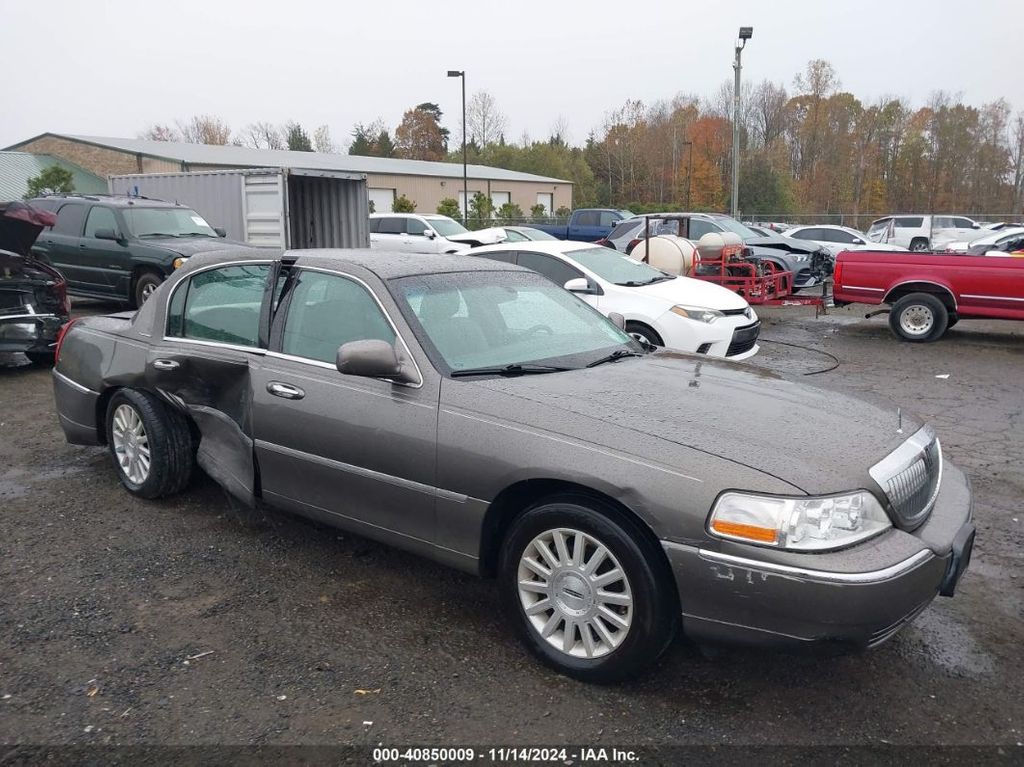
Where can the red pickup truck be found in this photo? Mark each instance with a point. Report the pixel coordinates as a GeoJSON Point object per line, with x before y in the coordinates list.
{"type": "Point", "coordinates": [929, 292]}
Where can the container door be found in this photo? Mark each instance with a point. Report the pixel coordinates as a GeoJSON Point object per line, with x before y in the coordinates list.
{"type": "Point", "coordinates": [263, 198]}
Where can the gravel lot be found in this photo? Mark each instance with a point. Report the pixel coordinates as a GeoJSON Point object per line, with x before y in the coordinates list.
{"type": "Point", "coordinates": [193, 620]}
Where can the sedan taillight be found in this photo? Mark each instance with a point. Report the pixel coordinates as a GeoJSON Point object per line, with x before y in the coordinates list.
{"type": "Point", "coordinates": [60, 339]}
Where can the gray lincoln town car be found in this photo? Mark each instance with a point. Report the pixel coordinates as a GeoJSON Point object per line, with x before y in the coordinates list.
{"type": "Point", "coordinates": [478, 414]}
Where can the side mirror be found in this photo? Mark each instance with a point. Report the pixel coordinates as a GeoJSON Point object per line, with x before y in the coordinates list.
{"type": "Point", "coordinates": [429, 234]}
{"type": "Point", "coordinates": [578, 285]}
{"type": "Point", "coordinates": [372, 359]}
{"type": "Point", "coordinates": [220, 231]}
{"type": "Point", "coordinates": [858, 241]}
{"type": "Point", "coordinates": [106, 234]}
{"type": "Point", "coordinates": [618, 320]}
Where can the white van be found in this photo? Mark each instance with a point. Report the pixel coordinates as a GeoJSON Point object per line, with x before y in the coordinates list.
{"type": "Point", "coordinates": [921, 232]}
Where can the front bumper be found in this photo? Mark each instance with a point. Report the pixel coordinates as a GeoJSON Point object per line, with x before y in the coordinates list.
{"type": "Point", "coordinates": [858, 597]}
{"type": "Point", "coordinates": [732, 337]}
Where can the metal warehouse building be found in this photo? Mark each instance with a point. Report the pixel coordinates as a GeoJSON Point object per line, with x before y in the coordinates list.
{"type": "Point", "coordinates": [425, 183]}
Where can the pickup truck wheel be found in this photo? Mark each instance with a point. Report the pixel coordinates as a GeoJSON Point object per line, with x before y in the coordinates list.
{"type": "Point", "coordinates": [953, 319]}
{"type": "Point", "coordinates": [585, 592]}
{"type": "Point", "coordinates": [919, 317]}
{"type": "Point", "coordinates": [919, 245]}
{"type": "Point", "coordinates": [150, 444]}
{"type": "Point", "coordinates": [145, 284]}
{"type": "Point", "coordinates": [644, 334]}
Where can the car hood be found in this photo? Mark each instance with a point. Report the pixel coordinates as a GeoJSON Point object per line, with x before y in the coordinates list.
{"type": "Point", "coordinates": [778, 242]}
{"type": "Point", "coordinates": [192, 246]}
{"type": "Point", "coordinates": [691, 292]}
{"type": "Point", "coordinates": [817, 440]}
{"type": "Point", "coordinates": [491, 236]}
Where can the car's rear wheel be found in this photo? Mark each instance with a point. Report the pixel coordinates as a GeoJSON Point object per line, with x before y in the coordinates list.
{"type": "Point", "coordinates": [919, 317]}
{"type": "Point", "coordinates": [919, 245]}
{"type": "Point", "coordinates": [585, 591]}
{"type": "Point", "coordinates": [151, 444]}
{"type": "Point", "coordinates": [145, 284]}
{"type": "Point", "coordinates": [644, 334]}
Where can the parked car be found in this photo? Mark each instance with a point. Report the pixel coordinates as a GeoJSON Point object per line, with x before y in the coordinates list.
{"type": "Point", "coordinates": [810, 263]}
{"type": "Point", "coordinates": [475, 413]}
{"type": "Point", "coordinates": [586, 224]}
{"type": "Point", "coordinates": [920, 233]}
{"type": "Point", "coordinates": [659, 309]}
{"type": "Point", "coordinates": [836, 238]}
{"type": "Point", "coordinates": [413, 233]}
{"type": "Point", "coordinates": [1000, 242]}
{"type": "Point", "coordinates": [929, 293]}
{"type": "Point", "coordinates": [34, 302]}
{"type": "Point", "coordinates": [525, 234]}
{"type": "Point", "coordinates": [113, 246]}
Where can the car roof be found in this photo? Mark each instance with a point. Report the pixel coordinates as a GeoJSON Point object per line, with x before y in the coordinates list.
{"type": "Point", "coordinates": [551, 247]}
{"type": "Point", "coordinates": [383, 263]}
{"type": "Point", "coordinates": [113, 200]}
{"type": "Point", "coordinates": [409, 215]}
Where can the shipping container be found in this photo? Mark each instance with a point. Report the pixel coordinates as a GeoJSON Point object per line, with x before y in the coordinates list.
{"type": "Point", "coordinates": [275, 208]}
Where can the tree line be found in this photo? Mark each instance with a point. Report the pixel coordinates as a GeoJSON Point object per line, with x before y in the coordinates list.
{"type": "Point", "coordinates": [810, 148]}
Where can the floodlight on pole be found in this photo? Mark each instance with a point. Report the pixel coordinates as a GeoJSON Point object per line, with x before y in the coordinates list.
{"type": "Point", "coordinates": [465, 175]}
{"type": "Point", "coordinates": [745, 34]}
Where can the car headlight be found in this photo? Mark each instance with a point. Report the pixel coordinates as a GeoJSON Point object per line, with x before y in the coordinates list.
{"type": "Point", "coordinates": [179, 262]}
{"type": "Point", "coordinates": [699, 313]}
{"type": "Point", "coordinates": [814, 523]}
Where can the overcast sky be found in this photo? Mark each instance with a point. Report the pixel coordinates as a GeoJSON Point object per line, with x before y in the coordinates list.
{"type": "Point", "coordinates": [112, 68]}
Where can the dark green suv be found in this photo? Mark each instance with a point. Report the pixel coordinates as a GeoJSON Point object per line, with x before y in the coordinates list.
{"type": "Point", "coordinates": [122, 247]}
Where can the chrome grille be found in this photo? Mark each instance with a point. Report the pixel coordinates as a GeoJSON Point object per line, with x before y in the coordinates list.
{"type": "Point", "coordinates": [910, 477]}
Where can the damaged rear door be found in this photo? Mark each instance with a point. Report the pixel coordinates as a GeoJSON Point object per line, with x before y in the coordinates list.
{"type": "Point", "coordinates": [202, 364]}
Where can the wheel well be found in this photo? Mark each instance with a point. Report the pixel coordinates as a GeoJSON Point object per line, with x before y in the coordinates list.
{"type": "Point", "coordinates": [648, 328]}
{"type": "Point", "coordinates": [101, 412]}
{"type": "Point", "coordinates": [141, 269]}
{"type": "Point", "coordinates": [940, 292]}
{"type": "Point", "coordinates": [517, 498]}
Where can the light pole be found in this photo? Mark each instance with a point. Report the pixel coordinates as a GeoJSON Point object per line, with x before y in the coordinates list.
{"type": "Point", "coordinates": [745, 34]}
{"type": "Point", "coordinates": [465, 178]}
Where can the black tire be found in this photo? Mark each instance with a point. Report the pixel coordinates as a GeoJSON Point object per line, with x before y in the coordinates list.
{"type": "Point", "coordinates": [144, 284]}
{"type": "Point", "coordinates": [654, 611]}
{"type": "Point", "coordinates": [40, 358]}
{"type": "Point", "coordinates": [919, 245]}
{"type": "Point", "coordinates": [169, 441]}
{"type": "Point", "coordinates": [953, 319]}
{"type": "Point", "coordinates": [919, 318]}
{"type": "Point", "coordinates": [641, 331]}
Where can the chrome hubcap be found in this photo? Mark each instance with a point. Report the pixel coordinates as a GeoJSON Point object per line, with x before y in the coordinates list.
{"type": "Point", "coordinates": [917, 320]}
{"type": "Point", "coordinates": [574, 593]}
{"type": "Point", "coordinates": [131, 445]}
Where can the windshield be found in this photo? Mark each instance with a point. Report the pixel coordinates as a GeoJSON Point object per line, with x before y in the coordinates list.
{"type": "Point", "coordinates": [446, 226]}
{"type": "Point", "coordinates": [490, 319]}
{"type": "Point", "coordinates": [616, 267]}
{"type": "Point", "coordinates": [734, 226]}
{"type": "Point", "coordinates": [167, 222]}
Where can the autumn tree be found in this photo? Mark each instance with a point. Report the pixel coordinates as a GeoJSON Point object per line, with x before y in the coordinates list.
{"type": "Point", "coordinates": [420, 135]}
{"type": "Point", "coordinates": [204, 129]}
{"type": "Point", "coordinates": [262, 135]}
{"type": "Point", "coordinates": [485, 123]}
{"type": "Point", "coordinates": [372, 140]}
{"type": "Point", "coordinates": [159, 132]}
{"type": "Point", "coordinates": [322, 141]}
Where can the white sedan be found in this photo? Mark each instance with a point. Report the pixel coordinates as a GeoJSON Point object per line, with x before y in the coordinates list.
{"type": "Point", "coordinates": [1004, 241]}
{"type": "Point", "coordinates": [660, 309]}
{"type": "Point", "coordinates": [838, 238]}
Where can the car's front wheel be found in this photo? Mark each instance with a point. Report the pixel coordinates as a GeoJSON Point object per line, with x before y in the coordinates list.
{"type": "Point", "coordinates": [145, 285]}
{"type": "Point", "coordinates": [587, 592]}
{"type": "Point", "coordinates": [644, 334]}
{"type": "Point", "coordinates": [150, 444]}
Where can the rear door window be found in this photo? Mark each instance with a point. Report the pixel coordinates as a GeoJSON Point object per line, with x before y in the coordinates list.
{"type": "Point", "coordinates": [910, 222]}
{"type": "Point", "coordinates": [392, 226]}
{"type": "Point", "coordinates": [701, 226]}
{"type": "Point", "coordinates": [70, 219]}
{"type": "Point", "coordinates": [220, 305]}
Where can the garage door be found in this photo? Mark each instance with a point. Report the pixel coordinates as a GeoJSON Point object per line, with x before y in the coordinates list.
{"type": "Point", "coordinates": [547, 200]}
{"type": "Point", "coordinates": [500, 198]}
{"type": "Point", "coordinates": [381, 200]}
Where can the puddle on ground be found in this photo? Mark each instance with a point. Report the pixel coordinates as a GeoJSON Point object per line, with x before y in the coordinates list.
{"type": "Point", "coordinates": [949, 644]}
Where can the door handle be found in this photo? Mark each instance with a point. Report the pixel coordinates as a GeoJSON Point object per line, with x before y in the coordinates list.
{"type": "Point", "coordinates": [165, 364]}
{"type": "Point", "coordinates": [284, 390]}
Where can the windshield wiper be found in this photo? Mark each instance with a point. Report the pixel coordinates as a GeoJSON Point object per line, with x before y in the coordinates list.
{"type": "Point", "coordinates": [515, 369]}
{"type": "Point", "coordinates": [615, 356]}
{"type": "Point", "coordinates": [640, 283]}
{"type": "Point", "coordinates": [157, 234]}
{"type": "Point", "coordinates": [196, 234]}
